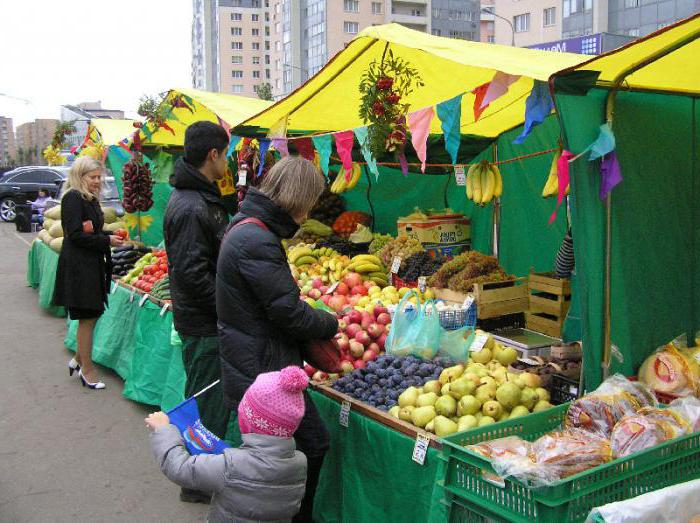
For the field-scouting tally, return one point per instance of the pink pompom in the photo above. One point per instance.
(293, 379)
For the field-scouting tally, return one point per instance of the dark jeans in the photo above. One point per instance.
(200, 355)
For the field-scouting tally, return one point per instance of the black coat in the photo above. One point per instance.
(262, 321)
(194, 223)
(84, 265)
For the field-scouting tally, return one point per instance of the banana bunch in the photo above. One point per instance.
(331, 270)
(484, 182)
(551, 187)
(340, 184)
(302, 254)
(370, 267)
(316, 228)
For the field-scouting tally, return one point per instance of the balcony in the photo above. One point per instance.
(409, 2)
(410, 20)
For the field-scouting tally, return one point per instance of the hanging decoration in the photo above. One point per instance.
(497, 87)
(361, 135)
(343, 144)
(610, 174)
(280, 145)
(563, 180)
(279, 129)
(382, 88)
(305, 147)
(450, 114)
(233, 142)
(602, 145)
(323, 146)
(156, 114)
(181, 102)
(419, 125)
(479, 94)
(537, 107)
(264, 146)
(249, 160)
(137, 185)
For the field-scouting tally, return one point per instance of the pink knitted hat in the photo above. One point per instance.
(274, 403)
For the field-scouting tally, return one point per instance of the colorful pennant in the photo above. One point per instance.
(306, 148)
(563, 180)
(361, 135)
(278, 129)
(232, 145)
(419, 125)
(280, 145)
(497, 87)
(343, 144)
(323, 146)
(264, 145)
(604, 144)
(479, 94)
(537, 107)
(450, 114)
(610, 174)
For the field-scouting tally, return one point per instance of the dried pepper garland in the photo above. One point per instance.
(249, 160)
(137, 185)
(383, 87)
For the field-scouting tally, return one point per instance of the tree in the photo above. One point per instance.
(264, 91)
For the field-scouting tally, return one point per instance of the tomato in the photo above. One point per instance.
(161, 254)
(149, 269)
(158, 275)
(163, 267)
(148, 288)
(122, 233)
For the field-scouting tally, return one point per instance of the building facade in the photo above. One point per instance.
(32, 138)
(8, 151)
(456, 19)
(205, 45)
(81, 115)
(527, 22)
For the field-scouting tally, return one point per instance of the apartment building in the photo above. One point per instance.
(487, 24)
(8, 152)
(32, 138)
(205, 45)
(456, 19)
(80, 115)
(527, 22)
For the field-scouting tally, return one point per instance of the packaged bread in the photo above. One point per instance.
(638, 432)
(569, 452)
(673, 369)
(502, 447)
(673, 422)
(689, 410)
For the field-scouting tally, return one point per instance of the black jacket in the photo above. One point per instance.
(262, 321)
(84, 266)
(194, 223)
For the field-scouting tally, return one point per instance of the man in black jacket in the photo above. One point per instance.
(194, 224)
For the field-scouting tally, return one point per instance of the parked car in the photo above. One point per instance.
(24, 183)
(109, 197)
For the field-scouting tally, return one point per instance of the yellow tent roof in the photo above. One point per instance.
(329, 101)
(227, 109)
(110, 132)
(678, 70)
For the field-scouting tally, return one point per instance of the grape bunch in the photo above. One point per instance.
(137, 186)
(403, 247)
(328, 207)
(379, 241)
(419, 264)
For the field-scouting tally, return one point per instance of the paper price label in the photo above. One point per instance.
(395, 265)
(164, 308)
(344, 419)
(242, 177)
(479, 342)
(460, 176)
(422, 283)
(114, 288)
(143, 300)
(131, 297)
(332, 288)
(420, 449)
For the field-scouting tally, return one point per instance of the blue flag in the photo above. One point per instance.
(232, 145)
(537, 107)
(264, 146)
(198, 439)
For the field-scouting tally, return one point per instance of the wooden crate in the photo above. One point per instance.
(493, 299)
(377, 415)
(549, 301)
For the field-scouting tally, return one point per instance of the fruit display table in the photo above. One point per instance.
(42, 263)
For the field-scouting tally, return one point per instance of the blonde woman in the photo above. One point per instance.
(84, 266)
(262, 321)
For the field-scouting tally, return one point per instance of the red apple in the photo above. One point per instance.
(342, 289)
(309, 370)
(317, 283)
(354, 299)
(369, 355)
(375, 330)
(374, 347)
(326, 298)
(319, 376)
(354, 317)
(380, 309)
(356, 349)
(359, 364)
(352, 329)
(369, 284)
(342, 325)
(352, 280)
(324, 289)
(384, 318)
(363, 338)
(359, 289)
(337, 303)
(381, 341)
(314, 294)
(346, 366)
(366, 319)
(343, 342)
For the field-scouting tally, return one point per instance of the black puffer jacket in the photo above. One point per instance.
(262, 321)
(194, 223)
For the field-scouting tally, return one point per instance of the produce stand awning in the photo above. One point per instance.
(678, 71)
(225, 109)
(329, 101)
(110, 132)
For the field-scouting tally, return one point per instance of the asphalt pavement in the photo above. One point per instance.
(67, 453)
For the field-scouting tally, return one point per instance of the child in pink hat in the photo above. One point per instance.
(262, 480)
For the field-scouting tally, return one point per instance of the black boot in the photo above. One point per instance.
(188, 495)
(313, 471)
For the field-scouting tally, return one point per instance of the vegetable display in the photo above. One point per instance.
(348, 221)
(124, 258)
(463, 271)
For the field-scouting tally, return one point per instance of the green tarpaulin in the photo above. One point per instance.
(41, 274)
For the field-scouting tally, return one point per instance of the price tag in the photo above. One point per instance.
(131, 297)
(422, 283)
(114, 288)
(143, 300)
(344, 419)
(242, 177)
(468, 302)
(164, 308)
(420, 449)
(479, 342)
(332, 288)
(396, 265)
(460, 176)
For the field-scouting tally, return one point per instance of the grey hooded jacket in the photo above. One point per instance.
(262, 480)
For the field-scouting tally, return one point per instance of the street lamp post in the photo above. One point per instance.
(510, 24)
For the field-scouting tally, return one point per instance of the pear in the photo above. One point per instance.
(508, 395)
(450, 374)
(468, 405)
(455, 419)
(529, 398)
(486, 420)
(444, 426)
(496, 350)
(542, 405)
(489, 380)
(503, 416)
(543, 394)
(481, 372)
(406, 412)
(421, 416)
(500, 375)
(446, 406)
(473, 377)
(492, 408)
(483, 356)
(507, 356)
(531, 380)
(394, 411)
(408, 397)
(432, 386)
(426, 399)
(445, 390)
(430, 427)
(513, 376)
(421, 391)
(478, 415)
(519, 411)
(467, 422)
(462, 387)
(485, 393)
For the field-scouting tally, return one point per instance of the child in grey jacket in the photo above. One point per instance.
(262, 480)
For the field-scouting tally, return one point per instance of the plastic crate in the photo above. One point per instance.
(462, 512)
(562, 389)
(449, 319)
(471, 478)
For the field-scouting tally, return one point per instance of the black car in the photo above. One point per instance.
(24, 183)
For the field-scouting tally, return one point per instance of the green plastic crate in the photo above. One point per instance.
(470, 476)
(462, 512)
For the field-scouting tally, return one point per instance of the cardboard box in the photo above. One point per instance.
(444, 229)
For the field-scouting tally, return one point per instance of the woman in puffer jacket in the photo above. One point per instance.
(262, 322)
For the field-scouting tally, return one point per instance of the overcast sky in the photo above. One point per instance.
(65, 52)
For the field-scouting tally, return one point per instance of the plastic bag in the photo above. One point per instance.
(455, 344)
(509, 446)
(673, 369)
(636, 433)
(413, 331)
(689, 410)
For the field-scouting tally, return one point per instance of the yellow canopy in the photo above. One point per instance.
(225, 109)
(329, 101)
(673, 54)
(108, 131)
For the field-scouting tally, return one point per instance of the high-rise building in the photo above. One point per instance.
(526, 22)
(32, 139)
(8, 152)
(487, 24)
(456, 19)
(205, 45)
(80, 115)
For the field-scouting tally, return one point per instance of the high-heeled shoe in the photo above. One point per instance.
(96, 386)
(73, 365)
